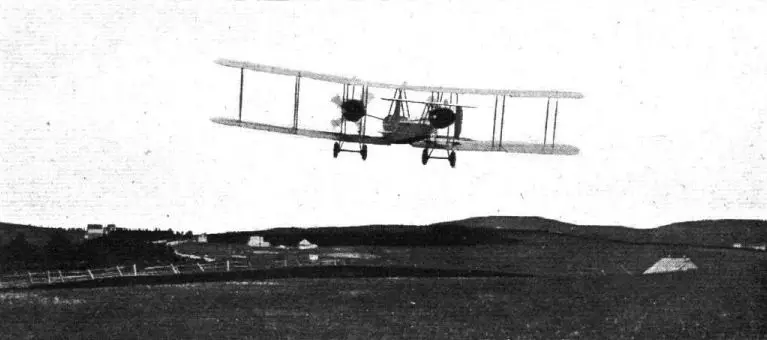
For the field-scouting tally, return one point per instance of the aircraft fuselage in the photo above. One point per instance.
(405, 131)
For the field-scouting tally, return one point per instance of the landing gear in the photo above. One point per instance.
(338, 148)
(426, 155)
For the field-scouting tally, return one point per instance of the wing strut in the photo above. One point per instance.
(295, 102)
(495, 119)
(495, 123)
(503, 115)
(556, 111)
(546, 125)
(242, 82)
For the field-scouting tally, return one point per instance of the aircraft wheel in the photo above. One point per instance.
(451, 159)
(364, 152)
(336, 149)
(425, 156)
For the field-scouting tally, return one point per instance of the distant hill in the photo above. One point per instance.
(371, 235)
(38, 236)
(510, 229)
(716, 233)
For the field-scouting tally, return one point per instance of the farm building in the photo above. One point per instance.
(671, 264)
(202, 238)
(258, 241)
(94, 231)
(305, 244)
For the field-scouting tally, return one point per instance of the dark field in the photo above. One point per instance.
(543, 254)
(558, 286)
(691, 305)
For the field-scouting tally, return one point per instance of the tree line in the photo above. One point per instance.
(121, 247)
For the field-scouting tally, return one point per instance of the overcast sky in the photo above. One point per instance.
(106, 105)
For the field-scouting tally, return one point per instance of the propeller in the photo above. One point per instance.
(443, 117)
(351, 109)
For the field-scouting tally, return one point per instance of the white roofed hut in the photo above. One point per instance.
(670, 265)
(305, 244)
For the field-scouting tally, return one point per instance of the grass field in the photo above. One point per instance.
(555, 255)
(570, 287)
(680, 306)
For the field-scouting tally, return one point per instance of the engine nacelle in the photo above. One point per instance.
(353, 109)
(441, 117)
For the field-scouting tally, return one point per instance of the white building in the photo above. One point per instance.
(94, 231)
(258, 241)
(305, 244)
(202, 238)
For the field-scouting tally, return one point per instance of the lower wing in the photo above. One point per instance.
(354, 138)
(510, 147)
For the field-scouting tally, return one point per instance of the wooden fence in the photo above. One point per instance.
(56, 276)
(25, 279)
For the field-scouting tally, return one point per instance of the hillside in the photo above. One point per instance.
(713, 232)
(37, 236)
(716, 233)
(373, 235)
(511, 229)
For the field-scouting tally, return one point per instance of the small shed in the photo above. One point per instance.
(671, 264)
(305, 244)
(202, 238)
(94, 231)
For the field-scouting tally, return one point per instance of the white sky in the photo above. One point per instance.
(105, 109)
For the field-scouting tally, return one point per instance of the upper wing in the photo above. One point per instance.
(510, 147)
(427, 103)
(303, 132)
(356, 81)
(289, 72)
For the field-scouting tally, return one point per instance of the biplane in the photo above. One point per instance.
(437, 127)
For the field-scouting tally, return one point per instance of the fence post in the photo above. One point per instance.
(30, 277)
(61, 276)
(119, 271)
(134, 270)
(48, 273)
(199, 265)
(91, 274)
(227, 265)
